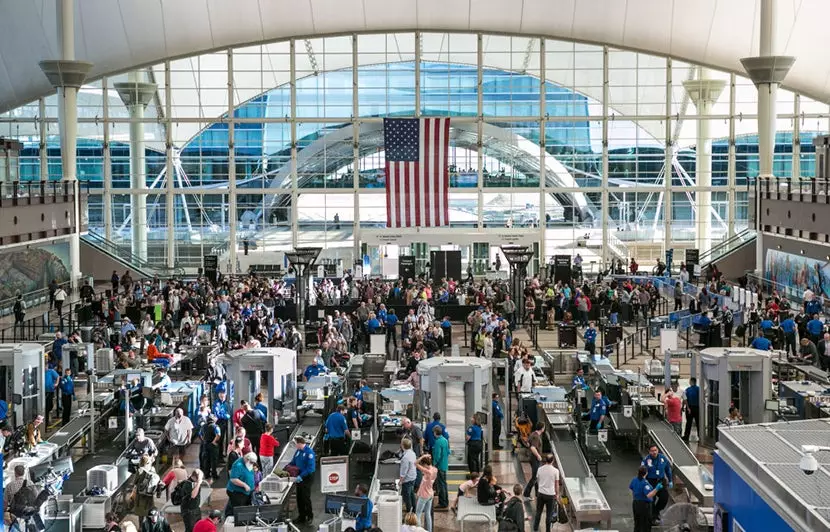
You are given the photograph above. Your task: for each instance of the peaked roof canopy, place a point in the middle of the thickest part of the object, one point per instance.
(118, 35)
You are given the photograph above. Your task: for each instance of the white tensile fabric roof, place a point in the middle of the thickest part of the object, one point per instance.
(119, 35)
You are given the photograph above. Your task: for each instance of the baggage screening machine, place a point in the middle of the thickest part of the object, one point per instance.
(458, 388)
(21, 372)
(738, 376)
(245, 368)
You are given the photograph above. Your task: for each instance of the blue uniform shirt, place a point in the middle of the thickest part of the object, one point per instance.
(499, 413)
(391, 320)
(57, 348)
(474, 432)
(220, 410)
(590, 335)
(658, 468)
(382, 315)
(693, 395)
(314, 370)
(49, 379)
(766, 324)
(364, 522)
(372, 325)
(263, 409)
(640, 488)
(336, 426)
(578, 382)
(761, 343)
(359, 392)
(305, 461)
(599, 408)
(209, 437)
(788, 326)
(67, 385)
(429, 437)
(813, 306)
(815, 327)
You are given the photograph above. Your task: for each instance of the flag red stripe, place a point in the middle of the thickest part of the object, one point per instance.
(434, 177)
(426, 197)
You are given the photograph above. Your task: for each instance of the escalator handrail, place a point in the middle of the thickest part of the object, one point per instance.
(129, 257)
(730, 244)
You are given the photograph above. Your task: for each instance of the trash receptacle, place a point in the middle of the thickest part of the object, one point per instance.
(655, 325)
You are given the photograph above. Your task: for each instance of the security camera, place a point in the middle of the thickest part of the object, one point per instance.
(808, 464)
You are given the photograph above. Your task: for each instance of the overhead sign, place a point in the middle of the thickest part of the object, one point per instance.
(334, 470)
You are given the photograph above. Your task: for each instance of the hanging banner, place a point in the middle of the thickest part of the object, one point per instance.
(334, 472)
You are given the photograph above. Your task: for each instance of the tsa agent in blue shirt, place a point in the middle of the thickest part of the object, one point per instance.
(429, 436)
(57, 348)
(306, 461)
(223, 415)
(67, 386)
(50, 384)
(590, 337)
(391, 322)
(336, 431)
(498, 417)
(475, 445)
(579, 380)
(643, 493)
(372, 324)
(317, 368)
(599, 409)
(766, 324)
(658, 468)
(691, 404)
(788, 327)
(816, 328)
(761, 343)
(363, 521)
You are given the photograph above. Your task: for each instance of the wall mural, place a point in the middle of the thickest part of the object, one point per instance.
(798, 272)
(24, 270)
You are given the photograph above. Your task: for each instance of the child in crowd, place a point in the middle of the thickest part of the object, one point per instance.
(466, 488)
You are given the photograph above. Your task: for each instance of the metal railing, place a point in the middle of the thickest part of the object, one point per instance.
(141, 266)
(30, 299)
(47, 322)
(15, 190)
(727, 246)
(812, 189)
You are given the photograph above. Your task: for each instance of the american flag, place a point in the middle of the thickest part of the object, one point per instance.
(417, 179)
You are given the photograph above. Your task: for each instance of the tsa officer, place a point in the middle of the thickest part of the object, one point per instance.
(337, 430)
(475, 445)
(498, 417)
(644, 494)
(578, 380)
(590, 337)
(305, 460)
(761, 343)
(599, 409)
(789, 328)
(223, 416)
(658, 468)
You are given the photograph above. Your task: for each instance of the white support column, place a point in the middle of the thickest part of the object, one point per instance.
(605, 198)
(107, 185)
(356, 154)
(43, 145)
(295, 196)
(731, 161)
(766, 71)
(796, 172)
(418, 46)
(668, 163)
(169, 169)
(67, 75)
(232, 238)
(480, 127)
(704, 93)
(543, 153)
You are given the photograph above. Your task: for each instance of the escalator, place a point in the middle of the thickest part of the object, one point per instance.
(733, 256)
(121, 258)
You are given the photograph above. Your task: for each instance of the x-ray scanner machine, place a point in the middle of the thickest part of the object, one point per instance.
(458, 388)
(245, 369)
(738, 376)
(21, 374)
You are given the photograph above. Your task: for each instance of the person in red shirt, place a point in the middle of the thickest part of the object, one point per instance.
(674, 412)
(209, 523)
(267, 444)
(239, 412)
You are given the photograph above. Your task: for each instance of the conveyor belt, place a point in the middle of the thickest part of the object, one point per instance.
(568, 455)
(622, 424)
(71, 432)
(670, 443)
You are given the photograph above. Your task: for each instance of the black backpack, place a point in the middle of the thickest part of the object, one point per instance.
(182, 490)
(18, 307)
(23, 502)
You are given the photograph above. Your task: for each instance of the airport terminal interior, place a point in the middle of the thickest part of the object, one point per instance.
(416, 266)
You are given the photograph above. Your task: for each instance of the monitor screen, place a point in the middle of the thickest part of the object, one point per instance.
(356, 505)
(252, 515)
(771, 404)
(334, 503)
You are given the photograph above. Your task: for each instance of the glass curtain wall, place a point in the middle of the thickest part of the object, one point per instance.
(280, 144)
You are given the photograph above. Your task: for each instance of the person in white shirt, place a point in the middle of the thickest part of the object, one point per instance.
(525, 378)
(179, 431)
(60, 297)
(548, 484)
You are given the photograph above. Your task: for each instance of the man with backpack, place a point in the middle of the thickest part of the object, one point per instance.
(187, 496)
(513, 512)
(19, 312)
(17, 493)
